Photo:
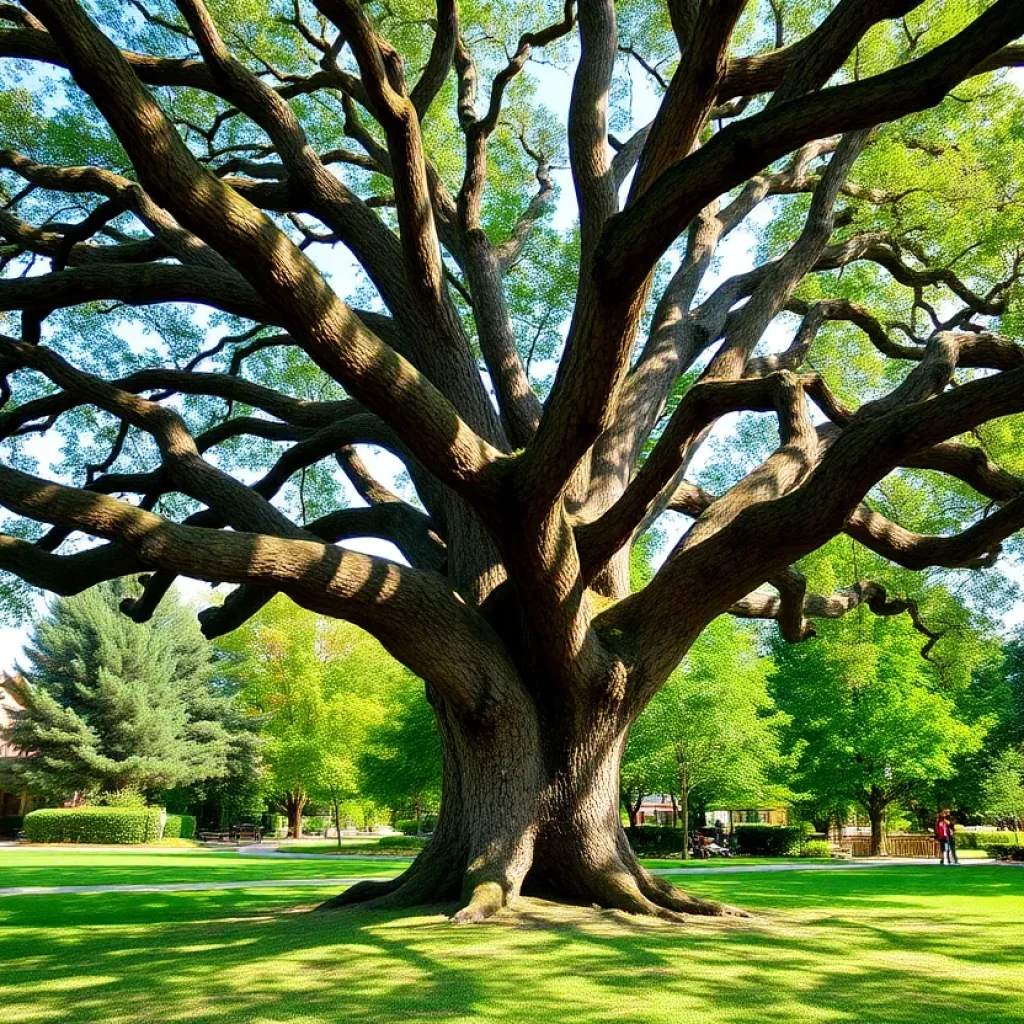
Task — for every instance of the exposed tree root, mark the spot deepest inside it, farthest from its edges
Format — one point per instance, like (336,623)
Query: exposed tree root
(486,899)
(362,893)
(665,894)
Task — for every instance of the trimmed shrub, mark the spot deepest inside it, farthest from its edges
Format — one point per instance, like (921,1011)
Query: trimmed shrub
(655,841)
(100,825)
(816,848)
(769,840)
(986,840)
(180,826)
(315,823)
(401,843)
(409,825)
(1006,851)
(10,824)
(274,823)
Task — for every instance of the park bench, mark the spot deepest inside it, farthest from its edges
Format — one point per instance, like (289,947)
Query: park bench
(248,833)
(214,837)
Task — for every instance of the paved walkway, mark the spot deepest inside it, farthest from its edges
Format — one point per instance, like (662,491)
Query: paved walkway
(271,883)
(266,883)
(839,865)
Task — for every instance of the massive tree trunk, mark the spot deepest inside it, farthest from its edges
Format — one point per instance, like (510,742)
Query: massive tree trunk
(530,806)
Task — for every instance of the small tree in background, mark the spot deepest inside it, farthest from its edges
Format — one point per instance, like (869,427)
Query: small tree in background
(868,716)
(712,734)
(401,766)
(112,705)
(315,688)
(1003,790)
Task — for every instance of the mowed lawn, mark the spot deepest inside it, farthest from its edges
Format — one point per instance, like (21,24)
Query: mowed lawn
(901,945)
(36,866)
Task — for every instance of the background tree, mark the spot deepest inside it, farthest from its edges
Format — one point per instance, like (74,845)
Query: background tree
(871,720)
(400,767)
(315,687)
(110,705)
(711,735)
(546,390)
(1003,790)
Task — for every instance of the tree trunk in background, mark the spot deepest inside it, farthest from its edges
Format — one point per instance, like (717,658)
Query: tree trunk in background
(293,805)
(877,803)
(684,813)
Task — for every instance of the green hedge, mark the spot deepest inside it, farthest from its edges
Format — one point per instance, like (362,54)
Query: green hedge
(769,840)
(413,828)
(816,848)
(1006,851)
(986,840)
(180,826)
(401,843)
(10,824)
(274,823)
(655,841)
(100,825)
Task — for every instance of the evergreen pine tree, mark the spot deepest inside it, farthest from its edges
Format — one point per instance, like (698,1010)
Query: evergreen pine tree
(112,705)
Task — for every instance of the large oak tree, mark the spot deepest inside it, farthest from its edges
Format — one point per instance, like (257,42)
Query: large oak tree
(221,144)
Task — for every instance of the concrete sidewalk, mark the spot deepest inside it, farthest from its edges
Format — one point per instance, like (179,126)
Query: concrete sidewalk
(266,883)
(839,865)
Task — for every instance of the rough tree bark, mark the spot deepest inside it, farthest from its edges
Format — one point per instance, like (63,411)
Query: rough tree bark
(877,804)
(294,803)
(512,600)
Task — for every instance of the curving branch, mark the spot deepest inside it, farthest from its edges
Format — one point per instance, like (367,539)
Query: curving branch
(793,610)
(413,613)
(326,328)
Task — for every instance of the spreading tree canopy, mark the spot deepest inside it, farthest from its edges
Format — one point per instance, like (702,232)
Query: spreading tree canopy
(547,388)
(110,705)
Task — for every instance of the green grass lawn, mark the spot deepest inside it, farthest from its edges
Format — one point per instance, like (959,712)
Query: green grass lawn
(903,945)
(68,866)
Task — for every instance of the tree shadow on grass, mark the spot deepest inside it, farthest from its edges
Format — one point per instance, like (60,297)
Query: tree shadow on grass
(844,953)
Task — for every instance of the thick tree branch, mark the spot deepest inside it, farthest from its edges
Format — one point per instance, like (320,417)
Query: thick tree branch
(413,613)
(328,330)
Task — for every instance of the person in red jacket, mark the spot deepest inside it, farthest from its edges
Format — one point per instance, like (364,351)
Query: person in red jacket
(945,834)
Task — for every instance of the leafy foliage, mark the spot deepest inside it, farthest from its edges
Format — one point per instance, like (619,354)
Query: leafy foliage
(109,704)
(99,825)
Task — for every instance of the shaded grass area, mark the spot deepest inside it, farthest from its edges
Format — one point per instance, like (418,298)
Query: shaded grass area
(68,866)
(892,944)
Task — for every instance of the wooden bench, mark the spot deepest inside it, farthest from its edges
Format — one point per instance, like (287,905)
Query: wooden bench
(214,837)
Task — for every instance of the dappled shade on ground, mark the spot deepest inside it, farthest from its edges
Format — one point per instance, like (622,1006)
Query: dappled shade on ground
(891,944)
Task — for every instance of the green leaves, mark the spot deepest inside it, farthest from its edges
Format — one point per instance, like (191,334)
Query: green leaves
(713,729)
(111,704)
(326,698)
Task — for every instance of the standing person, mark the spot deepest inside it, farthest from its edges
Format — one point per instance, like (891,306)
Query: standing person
(951,838)
(944,834)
